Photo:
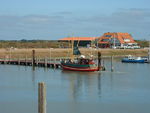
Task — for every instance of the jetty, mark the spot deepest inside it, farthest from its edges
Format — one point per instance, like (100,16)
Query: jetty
(34,61)
(39,63)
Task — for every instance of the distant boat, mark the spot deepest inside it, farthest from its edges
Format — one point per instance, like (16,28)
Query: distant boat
(132,59)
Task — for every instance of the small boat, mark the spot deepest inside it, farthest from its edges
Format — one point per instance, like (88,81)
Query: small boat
(132,59)
(81,64)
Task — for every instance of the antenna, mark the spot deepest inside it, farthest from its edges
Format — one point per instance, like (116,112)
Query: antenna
(114,41)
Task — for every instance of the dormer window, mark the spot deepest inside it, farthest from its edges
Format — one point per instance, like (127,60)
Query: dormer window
(105,40)
(126,40)
(107,35)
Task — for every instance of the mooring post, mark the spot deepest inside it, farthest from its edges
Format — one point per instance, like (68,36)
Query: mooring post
(5,60)
(41,97)
(19,60)
(45,61)
(55,63)
(26,60)
(112,68)
(33,57)
(36,61)
(99,60)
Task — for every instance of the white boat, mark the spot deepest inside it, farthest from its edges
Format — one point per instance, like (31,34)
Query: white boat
(133,59)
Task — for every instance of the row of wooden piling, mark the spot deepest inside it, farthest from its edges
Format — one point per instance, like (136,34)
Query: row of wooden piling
(33,62)
(30,63)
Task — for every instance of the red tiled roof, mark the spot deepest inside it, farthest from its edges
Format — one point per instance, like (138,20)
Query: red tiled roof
(79,38)
(120,36)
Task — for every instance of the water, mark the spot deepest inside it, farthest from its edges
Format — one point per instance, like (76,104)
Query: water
(126,90)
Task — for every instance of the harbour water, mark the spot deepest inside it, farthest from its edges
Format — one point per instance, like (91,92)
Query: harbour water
(126,90)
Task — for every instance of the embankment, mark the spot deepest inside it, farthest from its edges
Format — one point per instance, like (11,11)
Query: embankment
(61,52)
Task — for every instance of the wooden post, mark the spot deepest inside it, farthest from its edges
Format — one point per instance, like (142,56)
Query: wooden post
(26,60)
(37,60)
(5,60)
(55,63)
(33,57)
(19,60)
(41,98)
(99,61)
(112,68)
(45,61)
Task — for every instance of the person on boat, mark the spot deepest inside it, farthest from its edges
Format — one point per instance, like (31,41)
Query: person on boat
(91,61)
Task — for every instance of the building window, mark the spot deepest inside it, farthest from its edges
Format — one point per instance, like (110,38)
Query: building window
(114,40)
(126,40)
(105,40)
(107,35)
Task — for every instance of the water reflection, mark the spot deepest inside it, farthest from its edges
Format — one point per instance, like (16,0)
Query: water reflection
(81,84)
(127,89)
(99,84)
(33,76)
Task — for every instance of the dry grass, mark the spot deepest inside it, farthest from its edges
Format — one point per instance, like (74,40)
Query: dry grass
(22,53)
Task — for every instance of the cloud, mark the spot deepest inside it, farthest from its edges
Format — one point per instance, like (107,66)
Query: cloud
(60,24)
(121,17)
(135,21)
(36,19)
(32,26)
(64,13)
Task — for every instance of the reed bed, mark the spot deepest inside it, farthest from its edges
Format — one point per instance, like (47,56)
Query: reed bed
(66,52)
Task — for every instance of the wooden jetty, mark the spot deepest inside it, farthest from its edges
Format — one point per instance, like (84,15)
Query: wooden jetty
(38,62)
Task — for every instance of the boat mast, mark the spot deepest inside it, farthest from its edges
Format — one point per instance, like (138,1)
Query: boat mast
(114,44)
(99,61)
(72,56)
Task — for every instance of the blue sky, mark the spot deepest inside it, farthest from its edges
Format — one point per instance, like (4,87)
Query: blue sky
(52,20)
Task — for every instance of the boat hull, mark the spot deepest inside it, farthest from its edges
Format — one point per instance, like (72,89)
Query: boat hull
(133,61)
(77,67)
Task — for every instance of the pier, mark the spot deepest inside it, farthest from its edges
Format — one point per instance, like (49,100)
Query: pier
(50,63)
(33,61)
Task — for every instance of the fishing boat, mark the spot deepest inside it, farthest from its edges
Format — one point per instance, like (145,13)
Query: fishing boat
(81,63)
(132,59)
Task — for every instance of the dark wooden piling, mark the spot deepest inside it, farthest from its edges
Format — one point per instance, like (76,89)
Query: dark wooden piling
(19,60)
(41,97)
(5,60)
(37,61)
(112,68)
(25,60)
(99,60)
(33,57)
(45,61)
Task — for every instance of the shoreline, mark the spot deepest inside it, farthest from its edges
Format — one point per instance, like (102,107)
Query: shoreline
(65,52)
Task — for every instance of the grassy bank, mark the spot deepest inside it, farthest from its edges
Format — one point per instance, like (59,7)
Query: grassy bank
(42,53)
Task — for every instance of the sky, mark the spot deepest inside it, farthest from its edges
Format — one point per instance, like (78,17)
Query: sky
(56,19)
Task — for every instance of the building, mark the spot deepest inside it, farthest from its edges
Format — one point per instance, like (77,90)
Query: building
(82,41)
(117,40)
